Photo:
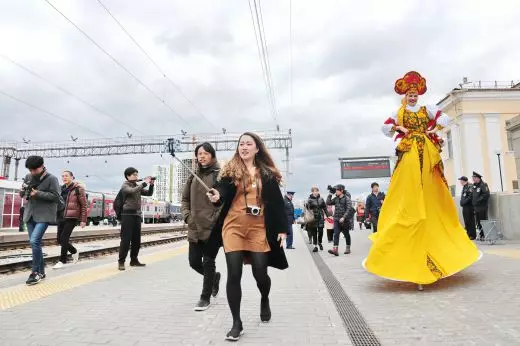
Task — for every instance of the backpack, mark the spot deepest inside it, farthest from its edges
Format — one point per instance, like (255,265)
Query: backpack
(118,205)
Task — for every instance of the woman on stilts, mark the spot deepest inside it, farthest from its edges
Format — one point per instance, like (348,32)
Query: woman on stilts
(252,225)
(420,238)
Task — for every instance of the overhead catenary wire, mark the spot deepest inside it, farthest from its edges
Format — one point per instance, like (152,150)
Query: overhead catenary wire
(261,45)
(266,56)
(54,115)
(65,91)
(172,110)
(161,71)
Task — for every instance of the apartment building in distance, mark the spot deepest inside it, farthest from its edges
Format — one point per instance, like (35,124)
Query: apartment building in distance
(477,139)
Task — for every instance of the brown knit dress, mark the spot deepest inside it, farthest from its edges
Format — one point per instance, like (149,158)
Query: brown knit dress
(243,232)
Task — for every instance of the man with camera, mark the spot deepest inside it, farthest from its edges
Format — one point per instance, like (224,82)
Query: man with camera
(132,190)
(42,192)
(343,216)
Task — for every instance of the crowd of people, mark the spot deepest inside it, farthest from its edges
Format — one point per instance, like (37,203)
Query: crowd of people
(416,236)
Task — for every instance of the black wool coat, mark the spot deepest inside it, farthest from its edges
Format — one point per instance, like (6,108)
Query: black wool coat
(274,214)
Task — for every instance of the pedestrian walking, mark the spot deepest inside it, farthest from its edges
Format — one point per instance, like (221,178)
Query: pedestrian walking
(252,225)
(200,214)
(41,189)
(75,211)
(319,209)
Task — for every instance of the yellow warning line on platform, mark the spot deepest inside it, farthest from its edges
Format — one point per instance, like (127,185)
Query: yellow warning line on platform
(511,253)
(22,294)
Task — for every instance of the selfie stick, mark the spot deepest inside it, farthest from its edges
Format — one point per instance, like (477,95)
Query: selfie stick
(174,144)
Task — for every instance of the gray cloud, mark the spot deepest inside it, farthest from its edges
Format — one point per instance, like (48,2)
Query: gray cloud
(347,56)
(196,40)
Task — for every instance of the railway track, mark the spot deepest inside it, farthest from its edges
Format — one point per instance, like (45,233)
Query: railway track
(26,264)
(80,238)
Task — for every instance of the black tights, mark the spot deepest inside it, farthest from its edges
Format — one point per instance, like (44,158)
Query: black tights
(235,263)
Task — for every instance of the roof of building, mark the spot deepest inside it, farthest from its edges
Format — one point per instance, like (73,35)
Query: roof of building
(481,87)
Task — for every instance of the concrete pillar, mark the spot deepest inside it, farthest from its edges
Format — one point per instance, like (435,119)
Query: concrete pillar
(494,144)
(456,145)
(6,166)
(16,167)
(471,144)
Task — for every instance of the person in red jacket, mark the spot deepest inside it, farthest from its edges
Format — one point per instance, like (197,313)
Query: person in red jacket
(75,210)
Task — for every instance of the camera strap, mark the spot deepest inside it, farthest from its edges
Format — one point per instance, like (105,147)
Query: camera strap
(257,192)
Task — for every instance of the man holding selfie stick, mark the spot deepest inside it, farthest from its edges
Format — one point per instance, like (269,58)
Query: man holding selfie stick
(131,191)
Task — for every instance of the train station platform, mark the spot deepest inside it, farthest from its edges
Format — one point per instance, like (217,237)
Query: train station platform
(319,300)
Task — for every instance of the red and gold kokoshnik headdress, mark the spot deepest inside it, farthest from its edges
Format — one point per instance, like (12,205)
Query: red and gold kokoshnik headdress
(412,81)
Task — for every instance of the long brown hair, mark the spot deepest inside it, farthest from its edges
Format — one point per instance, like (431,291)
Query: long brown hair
(236,169)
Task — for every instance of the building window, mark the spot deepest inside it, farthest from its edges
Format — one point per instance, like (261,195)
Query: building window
(449,141)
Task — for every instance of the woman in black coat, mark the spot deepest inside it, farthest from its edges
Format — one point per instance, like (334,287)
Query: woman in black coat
(252,225)
(318,206)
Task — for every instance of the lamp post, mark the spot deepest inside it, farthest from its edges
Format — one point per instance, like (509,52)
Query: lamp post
(500,169)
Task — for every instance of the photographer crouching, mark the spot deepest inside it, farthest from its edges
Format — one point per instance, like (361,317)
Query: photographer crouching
(131,191)
(343,216)
(42,192)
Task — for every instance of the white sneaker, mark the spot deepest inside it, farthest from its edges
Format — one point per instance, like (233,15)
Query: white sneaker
(58,265)
(75,257)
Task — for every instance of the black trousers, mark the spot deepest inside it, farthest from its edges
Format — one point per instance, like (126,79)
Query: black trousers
(204,265)
(374,220)
(130,234)
(479,216)
(469,221)
(317,235)
(330,234)
(65,228)
(341,228)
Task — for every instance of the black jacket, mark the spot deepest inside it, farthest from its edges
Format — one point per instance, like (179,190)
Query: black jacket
(480,196)
(289,210)
(318,206)
(274,214)
(466,199)
(343,208)
(373,204)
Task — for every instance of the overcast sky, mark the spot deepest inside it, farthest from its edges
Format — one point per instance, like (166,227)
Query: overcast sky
(346,58)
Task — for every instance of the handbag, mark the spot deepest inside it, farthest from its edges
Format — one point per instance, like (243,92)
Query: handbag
(308,216)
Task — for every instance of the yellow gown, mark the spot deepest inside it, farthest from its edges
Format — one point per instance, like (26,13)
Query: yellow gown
(419,238)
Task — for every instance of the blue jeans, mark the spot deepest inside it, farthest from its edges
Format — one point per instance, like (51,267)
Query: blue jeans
(36,232)
(341,228)
(289,240)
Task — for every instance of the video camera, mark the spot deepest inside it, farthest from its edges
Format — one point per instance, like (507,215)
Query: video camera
(332,189)
(27,187)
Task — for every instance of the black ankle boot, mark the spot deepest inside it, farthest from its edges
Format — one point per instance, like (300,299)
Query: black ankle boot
(265,310)
(236,331)
(136,263)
